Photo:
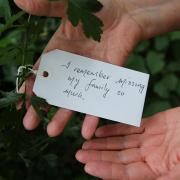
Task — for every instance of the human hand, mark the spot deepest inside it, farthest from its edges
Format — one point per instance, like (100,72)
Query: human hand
(124,27)
(149,152)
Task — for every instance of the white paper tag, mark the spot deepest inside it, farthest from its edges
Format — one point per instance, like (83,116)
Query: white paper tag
(93,87)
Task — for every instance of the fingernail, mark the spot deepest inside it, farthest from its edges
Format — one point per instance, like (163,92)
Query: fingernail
(52,129)
(79,156)
(20,3)
(31,119)
(27,122)
(89,168)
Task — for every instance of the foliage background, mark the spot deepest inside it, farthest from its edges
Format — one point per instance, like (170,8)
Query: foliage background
(33,155)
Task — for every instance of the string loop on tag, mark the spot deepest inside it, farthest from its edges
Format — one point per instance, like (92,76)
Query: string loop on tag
(21,70)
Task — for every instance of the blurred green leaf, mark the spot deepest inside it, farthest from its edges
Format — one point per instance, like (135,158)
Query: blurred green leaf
(143,46)
(9,56)
(174,66)
(5,10)
(166,85)
(175,36)
(39,105)
(10,99)
(161,43)
(52,159)
(11,21)
(156,106)
(10,73)
(12,37)
(178,88)
(50,115)
(155,62)
(175,46)
(136,62)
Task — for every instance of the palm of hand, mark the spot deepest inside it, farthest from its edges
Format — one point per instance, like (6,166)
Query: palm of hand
(161,147)
(121,34)
(150,152)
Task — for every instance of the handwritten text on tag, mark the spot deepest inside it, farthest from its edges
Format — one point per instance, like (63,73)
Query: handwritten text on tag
(92,87)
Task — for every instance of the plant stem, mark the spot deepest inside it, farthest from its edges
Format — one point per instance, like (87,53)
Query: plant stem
(24,50)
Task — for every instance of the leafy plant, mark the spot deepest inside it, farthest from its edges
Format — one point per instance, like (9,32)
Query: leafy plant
(33,155)
(81,11)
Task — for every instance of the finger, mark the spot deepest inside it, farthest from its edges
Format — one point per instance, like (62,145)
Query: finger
(174,174)
(89,126)
(114,143)
(31,119)
(31,114)
(29,89)
(59,121)
(118,129)
(123,157)
(21,91)
(43,7)
(108,170)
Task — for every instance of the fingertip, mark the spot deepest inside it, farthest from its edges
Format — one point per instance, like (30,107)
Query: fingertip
(31,119)
(90,168)
(20,3)
(79,156)
(89,126)
(86,131)
(86,134)
(87,168)
(59,122)
(53,130)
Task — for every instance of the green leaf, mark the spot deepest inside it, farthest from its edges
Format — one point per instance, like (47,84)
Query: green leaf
(174,36)
(9,55)
(178,88)
(136,62)
(155,107)
(52,159)
(10,99)
(143,46)
(39,105)
(155,62)
(81,11)
(5,10)
(161,43)
(174,66)
(11,21)
(12,38)
(49,116)
(175,50)
(166,85)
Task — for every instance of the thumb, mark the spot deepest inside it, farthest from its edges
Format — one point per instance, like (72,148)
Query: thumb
(43,7)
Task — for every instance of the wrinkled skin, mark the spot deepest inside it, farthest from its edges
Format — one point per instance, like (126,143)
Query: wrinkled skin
(150,152)
(129,153)
(126,23)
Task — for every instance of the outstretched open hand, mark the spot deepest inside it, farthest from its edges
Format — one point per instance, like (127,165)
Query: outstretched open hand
(146,153)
